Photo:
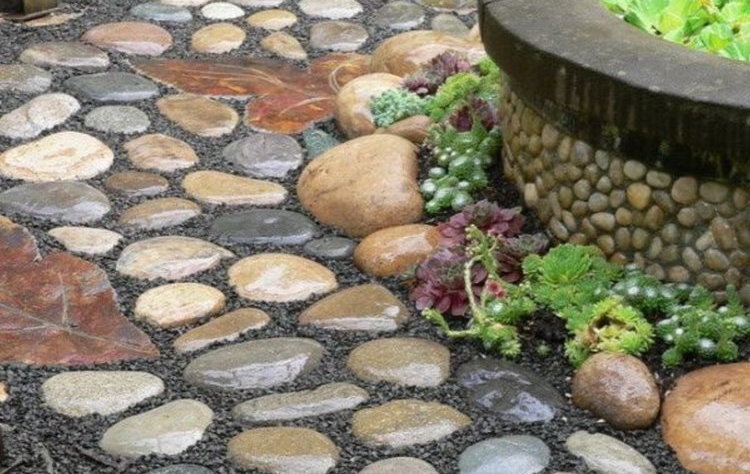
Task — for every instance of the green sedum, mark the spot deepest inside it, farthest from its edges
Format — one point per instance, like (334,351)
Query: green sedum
(396,104)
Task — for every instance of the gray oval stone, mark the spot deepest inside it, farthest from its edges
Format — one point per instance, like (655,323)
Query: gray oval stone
(113,87)
(506,455)
(262,363)
(24,78)
(182,469)
(264,226)
(399,15)
(158,11)
(117,119)
(337,36)
(73,54)
(264,155)
(607,455)
(399,465)
(335,248)
(62,201)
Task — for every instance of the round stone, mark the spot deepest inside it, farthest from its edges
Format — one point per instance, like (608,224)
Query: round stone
(113,87)
(353,113)
(400,15)
(658,179)
(215,187)
(604,221)
(66,201)
(101,392)
(639,196)
(506,455)
(264,155)
(714,192)
(606,455)
(178,304)
(337,36)
(167,430)
(451,24)
(261,363)
(159,213)
(458,6)
(685,190)
(218,38)
(634,170)
(285,45)
(399,465)
(402,423)
(86,240)
(225,328)
(222,11)
(272,20)
(159,11)
(334,248)
(280,450)
(72,54)
(392,251)
(130,37)
(368,307)
(332,9)
(136,183)
(199,115)
(402,361)
(117,119)
(161,153)
(264,226)
(41,113)
(24,78)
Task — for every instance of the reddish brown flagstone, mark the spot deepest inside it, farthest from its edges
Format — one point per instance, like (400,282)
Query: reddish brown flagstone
(60,310)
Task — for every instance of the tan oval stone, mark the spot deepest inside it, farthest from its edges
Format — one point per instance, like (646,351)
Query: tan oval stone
(413,128)
(178,304)
(159,213)
(160,152)
(218,38)
(41,113)
(685,190)
(392,251)
(639,195)
(130,37)
(280,277)
(136,183)
(399,465)
(225,328)
(285,45)
(199,115)
(86,240)
(402,361)
(353,102)
(275,19)
(364,185)
(215,187)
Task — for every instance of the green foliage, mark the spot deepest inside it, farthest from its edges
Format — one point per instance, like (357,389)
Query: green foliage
(456,89)
(647,294)
(396,104)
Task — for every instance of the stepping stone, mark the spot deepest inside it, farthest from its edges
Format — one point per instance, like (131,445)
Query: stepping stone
(178,304)
(24,78)
(182,469)
(399,15)
(402,361)
(353,113)
(262,363)
(264,155)
(159,213)
(285,45)
(41,113)
(225,328)
(258,3)
(169,257)
(606,455)
(64,201)
(72,54)
(218,38)
(56,157)
(113,87)
(264,226)
(222,11)
(449,23)
(53,19)
(368,307)
(101,392)
(331,9)
(279,278)
(167,430)
(86,240)
(393,251)
(136,183)
(158,11)
(506,455)
(337,36)
(272,20)
(130,37)
(215,187)
(459,6)
(330,398)
(317,142)
(406,53)
(510,391)
(117,119)
(400,465)
(283,450)
(334,248)
(199,115)
(161,153)
(402,423)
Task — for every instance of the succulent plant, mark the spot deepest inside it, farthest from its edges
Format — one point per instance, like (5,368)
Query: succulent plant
(515,249)
(487,217)
(441,67)
(396,104)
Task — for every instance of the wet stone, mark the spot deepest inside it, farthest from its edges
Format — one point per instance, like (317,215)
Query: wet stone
(199,115)
(451,24)
(285,45)
(399,15)
(222,11)
(325,399)
(72,54)
(606,455)
(337,36)
(215,187)
(68,201)
(130,37)
(331,9)
(117,119)
(506,455)
(37,115)
(113,87)
(218,38)
(101,392)
(136,183)
(402,361)
(168,430)
(159,213)
(181,469)
(225,328)
(399,465)
(368,307)
(262,363)
(24,78)
(393,251)
(264,155)
(178,304)
(86,240)
(157,11)
(272,20)
(335,248)
(264,226)
(161,153)
(510,391)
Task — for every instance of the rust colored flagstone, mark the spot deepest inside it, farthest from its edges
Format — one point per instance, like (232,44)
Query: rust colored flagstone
(60,309)
(284,98)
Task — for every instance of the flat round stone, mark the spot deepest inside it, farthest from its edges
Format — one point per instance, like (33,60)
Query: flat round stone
(332,9)
(402,361)
(506,455)
(158,11)
(24,78)
(399,15)
(317,142)
(262,363)
(218,38)
(168,430)
(449,23)
(368,307)
(607,455)
(117,119)
(394,250)
(337,36)
(325,399)
(400,465)
(41,113)
(72,54)
(402,423)
(57,157)
(222,11)
(178,304)
(161,153)
(136,183)
(335,248)
(199,115)
(113,87)
(216,187)
(279,277)
(186,3)
(86,240)
(101,392)
(272,20)
(264,155)
(459,6)
(285,45)
(283,450)
(159,213)
(225,328)
(182,469)
(130,37)
(264,226)
(169,257)
(66,201)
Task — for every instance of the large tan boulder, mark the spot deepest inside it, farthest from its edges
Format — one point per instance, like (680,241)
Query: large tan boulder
(353,102)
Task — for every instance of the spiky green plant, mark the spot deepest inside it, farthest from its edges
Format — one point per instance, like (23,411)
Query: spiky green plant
(396,104)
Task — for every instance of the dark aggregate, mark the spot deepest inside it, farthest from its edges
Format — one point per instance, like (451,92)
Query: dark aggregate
(39,441)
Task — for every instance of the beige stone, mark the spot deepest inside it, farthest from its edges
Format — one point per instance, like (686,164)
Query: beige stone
(224,328)
(414,128)
(218,38)
(216,187)
(274,19)
(285,45)
(159,213)
(199,115)
(353,102)
(86,240)
(394,250)
(161,153)
(178,304)
(41,113)
(130,37)
(639,195)
(402,361)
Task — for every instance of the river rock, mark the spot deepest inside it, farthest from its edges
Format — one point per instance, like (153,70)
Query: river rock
(364,185)
(159,11)
(272,20)
(460,6)
(199,115)
(218,38)
(117,119)
(41,113)
(264,226)
(136,183)
(332,9)
(353,102)
(130,37)
(161,153)
(113,87)
(402,361)
(262,363)
(182,469)
(216,187)
(399,465)
(393,251)
(86,240)
(169,257)
(606,455)
(507,455)
(449,23)
(399,15)
(337,36)
(285,45)
(414,129)
(24,78)
(368,307)
(222,11)
(159,213)
(63,201)
(317,141)
(225,328)
(264,155)
(333,248)
(178,304)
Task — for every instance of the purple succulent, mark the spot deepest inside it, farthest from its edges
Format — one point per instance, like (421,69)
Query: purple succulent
(428,80)
(462,119)
(515,249)
(487,217)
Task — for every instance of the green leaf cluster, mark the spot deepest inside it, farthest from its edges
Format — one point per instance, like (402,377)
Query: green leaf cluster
(484,83)
(396,104)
